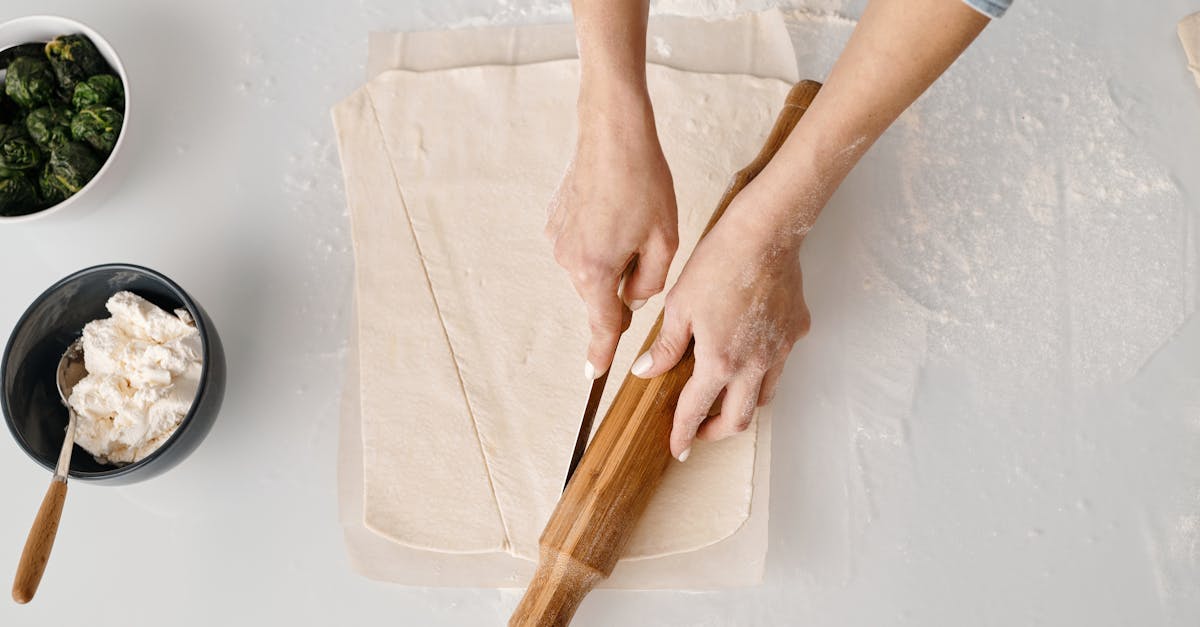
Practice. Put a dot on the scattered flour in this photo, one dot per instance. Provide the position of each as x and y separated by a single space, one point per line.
1047 266
662 47
1018 233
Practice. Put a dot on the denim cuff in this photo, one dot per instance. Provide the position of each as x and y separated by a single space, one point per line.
990 8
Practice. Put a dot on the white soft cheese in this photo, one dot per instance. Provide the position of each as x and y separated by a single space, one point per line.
143 372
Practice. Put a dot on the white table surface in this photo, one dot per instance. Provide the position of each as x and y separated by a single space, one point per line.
983 504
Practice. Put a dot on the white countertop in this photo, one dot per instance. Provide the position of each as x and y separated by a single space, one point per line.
1040 487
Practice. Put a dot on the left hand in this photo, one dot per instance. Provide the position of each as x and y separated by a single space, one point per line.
741 297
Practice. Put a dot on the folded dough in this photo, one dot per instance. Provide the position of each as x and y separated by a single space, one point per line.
470 335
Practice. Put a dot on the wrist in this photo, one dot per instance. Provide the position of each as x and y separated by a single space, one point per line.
613 96
778 208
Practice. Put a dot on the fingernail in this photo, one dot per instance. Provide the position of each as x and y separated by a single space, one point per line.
642 365
590 373
637 304
685 454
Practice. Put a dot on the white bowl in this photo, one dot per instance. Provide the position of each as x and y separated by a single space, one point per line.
38 28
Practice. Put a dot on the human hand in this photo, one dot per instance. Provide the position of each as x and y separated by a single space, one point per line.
615 205
741 297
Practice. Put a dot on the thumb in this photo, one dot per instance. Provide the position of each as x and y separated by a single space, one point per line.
673 339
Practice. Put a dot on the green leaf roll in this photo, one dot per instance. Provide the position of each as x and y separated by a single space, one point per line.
74 58
70 167
101 89
17 150
97 125
30 82
49 126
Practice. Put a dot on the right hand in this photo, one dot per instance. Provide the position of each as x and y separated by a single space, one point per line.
615 205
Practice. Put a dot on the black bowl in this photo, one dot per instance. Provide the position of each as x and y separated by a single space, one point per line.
35 415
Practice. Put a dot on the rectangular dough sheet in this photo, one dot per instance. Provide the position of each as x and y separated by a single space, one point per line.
478 552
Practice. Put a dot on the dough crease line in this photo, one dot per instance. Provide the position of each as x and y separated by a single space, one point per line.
487 464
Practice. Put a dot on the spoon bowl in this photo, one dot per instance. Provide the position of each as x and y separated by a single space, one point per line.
71 370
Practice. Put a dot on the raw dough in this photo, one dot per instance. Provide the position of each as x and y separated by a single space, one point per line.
735 561
507 409
755 43
1189 35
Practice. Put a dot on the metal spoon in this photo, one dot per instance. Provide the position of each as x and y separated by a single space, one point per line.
45 526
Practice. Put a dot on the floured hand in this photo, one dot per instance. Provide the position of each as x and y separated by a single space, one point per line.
741 297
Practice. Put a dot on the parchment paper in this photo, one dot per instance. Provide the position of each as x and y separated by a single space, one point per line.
1189 35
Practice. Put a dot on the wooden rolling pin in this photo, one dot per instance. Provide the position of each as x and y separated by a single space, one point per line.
625 462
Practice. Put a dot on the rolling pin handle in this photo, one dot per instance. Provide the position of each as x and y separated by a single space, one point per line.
558 587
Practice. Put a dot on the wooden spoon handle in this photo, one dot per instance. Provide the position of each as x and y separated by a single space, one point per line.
40 541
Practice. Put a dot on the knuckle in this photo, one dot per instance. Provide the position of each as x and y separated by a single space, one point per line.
586 272
758 365
805 325
592 268
603 327
744 416
800 329
668 345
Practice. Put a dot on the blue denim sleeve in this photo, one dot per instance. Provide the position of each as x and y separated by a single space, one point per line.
990 8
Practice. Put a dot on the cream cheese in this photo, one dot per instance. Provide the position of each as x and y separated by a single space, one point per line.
144 368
